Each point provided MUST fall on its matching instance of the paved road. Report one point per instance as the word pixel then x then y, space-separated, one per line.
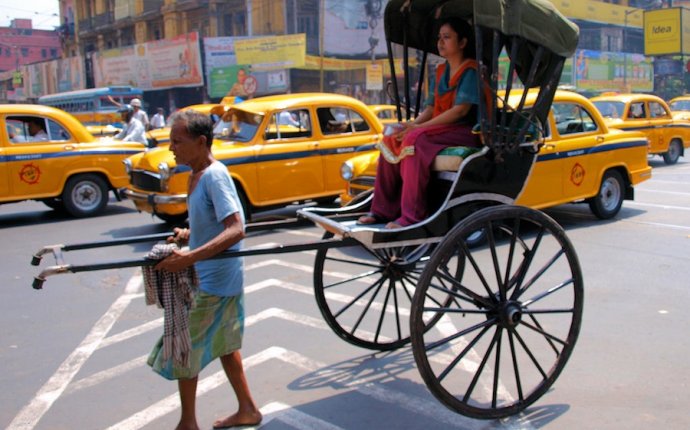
pixel 74 353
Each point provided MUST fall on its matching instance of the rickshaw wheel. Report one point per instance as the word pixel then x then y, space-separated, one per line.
pixel 365 295
pixel 514 318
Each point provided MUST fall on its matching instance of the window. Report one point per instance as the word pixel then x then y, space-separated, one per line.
pixel 572 118
pixel 25 129
pixel 289 124
pixel 57 132
pixel 25 52
pixel 44 53
pixel 656 110
pixel 337 120
pixel 637 110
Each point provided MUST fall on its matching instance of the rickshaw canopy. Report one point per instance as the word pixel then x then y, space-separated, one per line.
pixel 535 20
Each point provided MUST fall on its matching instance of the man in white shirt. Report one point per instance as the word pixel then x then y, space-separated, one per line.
pixel 133 129
pixel 158 120
pixel 37 132
pixel 139 113
pixel 286 118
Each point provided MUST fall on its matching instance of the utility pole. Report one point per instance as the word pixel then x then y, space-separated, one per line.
pixel 625 55
pixel 322 16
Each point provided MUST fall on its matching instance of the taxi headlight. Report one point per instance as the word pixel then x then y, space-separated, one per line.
pixel 347 170
pixel 164 171
pixel 128 165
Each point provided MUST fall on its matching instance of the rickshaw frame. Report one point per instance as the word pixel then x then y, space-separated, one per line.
pixel 497 289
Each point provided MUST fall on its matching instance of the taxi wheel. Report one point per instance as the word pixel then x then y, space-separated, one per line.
pixel 609 199
pixel 673 154
pixel 85 195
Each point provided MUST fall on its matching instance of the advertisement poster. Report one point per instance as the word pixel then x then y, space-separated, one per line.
pixel 223 70
pixel 272 52
pixel 609 71
pixel 114 67
pixel 69 74
pixel 350 28
pixel 157 65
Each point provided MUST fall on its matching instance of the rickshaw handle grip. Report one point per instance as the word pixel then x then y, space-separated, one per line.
pixel 57 249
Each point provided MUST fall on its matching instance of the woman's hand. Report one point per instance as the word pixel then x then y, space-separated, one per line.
pixel 406 128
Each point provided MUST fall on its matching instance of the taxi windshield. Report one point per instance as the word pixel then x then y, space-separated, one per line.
pixel 610 109
pixel 680 105
pixel 237 125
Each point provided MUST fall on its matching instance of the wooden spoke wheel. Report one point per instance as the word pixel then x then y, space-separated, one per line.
pixel 365 295
pixel 514 318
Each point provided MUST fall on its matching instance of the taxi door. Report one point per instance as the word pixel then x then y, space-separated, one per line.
pixel 288 162
pixel 637 119
pixel 345 132
pixel 582 164
pixel 4 164
pixel 545 182
pixel 661 121
pixel 35 163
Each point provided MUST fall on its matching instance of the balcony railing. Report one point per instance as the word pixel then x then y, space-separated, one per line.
pixel 85 24
pixel 153 5
pixel 103 19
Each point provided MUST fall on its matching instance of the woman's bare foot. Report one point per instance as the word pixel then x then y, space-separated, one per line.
pixel 239 419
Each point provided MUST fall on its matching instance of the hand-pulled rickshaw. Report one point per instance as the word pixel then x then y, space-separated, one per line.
pixel 491 327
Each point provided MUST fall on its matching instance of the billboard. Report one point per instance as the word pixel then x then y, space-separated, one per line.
pixel 667 31
pixel 599 71
pixel 350 26
pixel 161 64
pixel 223 70
pixel 272 52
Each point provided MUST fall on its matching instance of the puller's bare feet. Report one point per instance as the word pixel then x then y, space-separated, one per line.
pixel 239 419
pixel 185 426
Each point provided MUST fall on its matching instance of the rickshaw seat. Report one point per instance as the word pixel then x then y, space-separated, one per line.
pixel 449 159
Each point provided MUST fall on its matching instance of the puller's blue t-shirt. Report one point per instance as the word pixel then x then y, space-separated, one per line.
pixel 214 199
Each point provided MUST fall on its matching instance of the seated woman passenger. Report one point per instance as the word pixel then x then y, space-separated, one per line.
pixel 450 112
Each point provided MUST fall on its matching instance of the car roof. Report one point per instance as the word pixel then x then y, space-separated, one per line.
pixel 560 96
pixel 627 98
pixel 261 105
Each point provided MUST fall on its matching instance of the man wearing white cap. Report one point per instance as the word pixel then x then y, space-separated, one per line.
pixel 139 113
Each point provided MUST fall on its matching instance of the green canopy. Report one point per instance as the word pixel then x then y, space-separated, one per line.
pixel 537 21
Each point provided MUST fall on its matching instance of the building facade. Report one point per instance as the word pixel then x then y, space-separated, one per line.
pixel 107 41
pixel 21 44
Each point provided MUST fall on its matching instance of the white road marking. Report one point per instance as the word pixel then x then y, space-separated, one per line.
pixel 107 374
pixel 658 224
pixel 31 414
pixel 57 385
pixel 128 334
pixel 679 193
pixel 654 205
pixel 432 410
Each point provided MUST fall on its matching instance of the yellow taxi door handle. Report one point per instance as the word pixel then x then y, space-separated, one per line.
pixel 68 147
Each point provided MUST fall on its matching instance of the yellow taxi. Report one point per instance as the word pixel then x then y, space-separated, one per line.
pixel 48 155
pixel 387 114
pixel 581 160
pixel 278 149
pixel 668 137
pixel 107 130
pixel 161 136
pixel 680 107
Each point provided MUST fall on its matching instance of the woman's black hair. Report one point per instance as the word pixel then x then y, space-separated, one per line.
pixel 464 30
